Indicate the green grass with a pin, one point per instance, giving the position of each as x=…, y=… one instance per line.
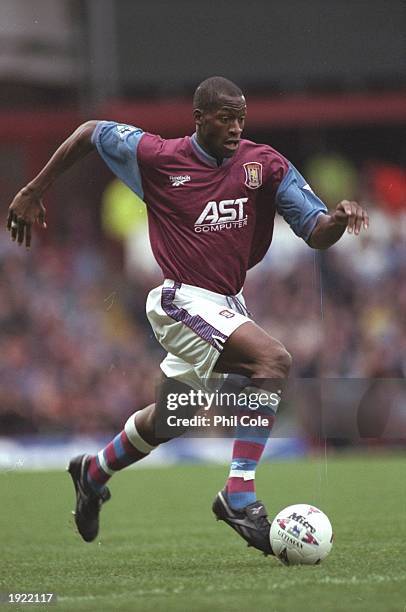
x=160, y=549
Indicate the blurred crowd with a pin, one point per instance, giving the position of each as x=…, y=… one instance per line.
x=77, y=353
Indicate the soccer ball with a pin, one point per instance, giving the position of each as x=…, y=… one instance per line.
x=301, y=534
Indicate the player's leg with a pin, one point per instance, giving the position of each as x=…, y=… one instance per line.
x=90, y=473
x=251, y=352
x=264, y=363
x=126, y=448
x=137, y=440
x=186, y=348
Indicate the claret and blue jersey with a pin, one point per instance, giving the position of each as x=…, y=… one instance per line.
x=208, y=224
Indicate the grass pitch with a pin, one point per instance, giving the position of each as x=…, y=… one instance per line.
x=160, y=548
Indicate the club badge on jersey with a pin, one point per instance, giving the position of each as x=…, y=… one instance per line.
x=253, y=174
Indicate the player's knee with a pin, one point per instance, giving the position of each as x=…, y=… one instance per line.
x=284, y=360
x=275, y=362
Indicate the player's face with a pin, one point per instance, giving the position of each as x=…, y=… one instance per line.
x=219, y=130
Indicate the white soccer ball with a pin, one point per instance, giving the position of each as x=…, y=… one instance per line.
x=301, y=534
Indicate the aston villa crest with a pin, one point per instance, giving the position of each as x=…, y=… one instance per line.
x=253, y=174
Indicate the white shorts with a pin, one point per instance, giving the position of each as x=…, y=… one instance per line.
x=193, y=324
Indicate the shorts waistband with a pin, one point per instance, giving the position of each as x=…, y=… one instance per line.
x=193, y=291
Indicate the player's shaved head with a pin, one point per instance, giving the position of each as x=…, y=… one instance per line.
x=210, y=93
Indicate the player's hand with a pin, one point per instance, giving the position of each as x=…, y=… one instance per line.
x=25, y=210
x=352, y=215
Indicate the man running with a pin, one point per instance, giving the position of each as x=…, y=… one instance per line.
x=211, y=200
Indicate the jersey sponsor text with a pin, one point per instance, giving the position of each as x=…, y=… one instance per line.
x=226, y=214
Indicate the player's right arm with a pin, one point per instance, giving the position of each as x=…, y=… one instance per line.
x=27, y=207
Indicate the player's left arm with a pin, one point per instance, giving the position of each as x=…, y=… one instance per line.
x=308, y=216
x=329, y=228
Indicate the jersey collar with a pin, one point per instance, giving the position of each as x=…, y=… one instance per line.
x=212, y=161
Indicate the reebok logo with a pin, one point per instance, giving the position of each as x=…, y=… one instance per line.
x=179, y=180
x=224, y=215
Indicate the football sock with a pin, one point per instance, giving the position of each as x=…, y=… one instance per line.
x=249, y=444
x=126, y=448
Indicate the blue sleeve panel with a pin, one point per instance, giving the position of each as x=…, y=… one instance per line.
x=297, y=203
x=117, y=145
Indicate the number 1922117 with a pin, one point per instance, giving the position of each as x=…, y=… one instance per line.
x=28, y=598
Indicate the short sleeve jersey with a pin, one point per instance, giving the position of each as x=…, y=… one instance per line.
x=208, y=224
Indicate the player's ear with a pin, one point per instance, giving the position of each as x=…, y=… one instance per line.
x=197, y=116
